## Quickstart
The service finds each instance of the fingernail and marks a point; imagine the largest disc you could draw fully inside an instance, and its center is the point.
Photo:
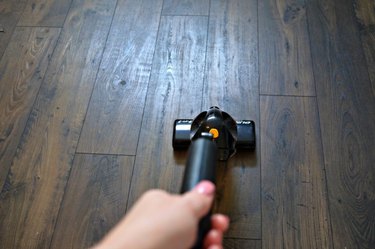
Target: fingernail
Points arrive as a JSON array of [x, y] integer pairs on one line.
[[205, 187]]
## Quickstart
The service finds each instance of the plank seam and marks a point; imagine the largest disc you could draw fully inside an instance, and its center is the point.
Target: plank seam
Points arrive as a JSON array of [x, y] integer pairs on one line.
[[206, 51], [103, 154], [259, 137], [75, 153], [320, 129], [144, 107], [186, 15], [19, 17], [288, 95], [360, 37]]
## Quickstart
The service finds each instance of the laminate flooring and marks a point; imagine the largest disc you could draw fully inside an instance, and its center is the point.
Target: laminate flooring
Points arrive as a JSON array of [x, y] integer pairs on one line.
[[89, 91]]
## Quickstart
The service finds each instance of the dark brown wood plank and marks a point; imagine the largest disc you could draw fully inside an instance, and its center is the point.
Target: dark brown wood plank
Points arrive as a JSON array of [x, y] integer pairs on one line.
[[242, 244], [186, 7], [232, 84], [284, 54], [115, 113], [45, 13], [22, 69], [347, 118], [365, 13], [95, 200], [31, 197], [10, 13], [175, 92], [294, 199]]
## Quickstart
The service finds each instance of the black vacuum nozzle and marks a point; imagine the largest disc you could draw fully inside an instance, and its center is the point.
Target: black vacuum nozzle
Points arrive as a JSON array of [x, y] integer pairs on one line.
[[228, 134]]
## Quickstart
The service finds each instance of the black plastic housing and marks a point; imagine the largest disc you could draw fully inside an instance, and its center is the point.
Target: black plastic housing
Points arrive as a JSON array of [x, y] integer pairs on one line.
[[245, 134]]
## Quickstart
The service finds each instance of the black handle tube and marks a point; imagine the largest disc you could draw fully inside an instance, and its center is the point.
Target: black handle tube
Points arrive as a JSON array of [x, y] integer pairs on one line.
[[200, 165]]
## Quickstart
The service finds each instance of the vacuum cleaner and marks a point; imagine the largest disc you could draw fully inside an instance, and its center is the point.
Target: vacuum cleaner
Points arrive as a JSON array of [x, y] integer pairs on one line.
[[213, 135]]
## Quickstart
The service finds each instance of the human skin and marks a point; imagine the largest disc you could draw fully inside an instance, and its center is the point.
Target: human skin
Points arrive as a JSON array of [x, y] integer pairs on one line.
[[160, 220]]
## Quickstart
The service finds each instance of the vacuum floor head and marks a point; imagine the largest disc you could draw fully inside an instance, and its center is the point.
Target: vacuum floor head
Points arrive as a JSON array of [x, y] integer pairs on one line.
[[228, 134]]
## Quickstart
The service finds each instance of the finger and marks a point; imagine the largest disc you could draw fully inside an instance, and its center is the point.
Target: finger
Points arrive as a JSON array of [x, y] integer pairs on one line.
[[215, 247], [213, 237], [200, 198], [220, 222]]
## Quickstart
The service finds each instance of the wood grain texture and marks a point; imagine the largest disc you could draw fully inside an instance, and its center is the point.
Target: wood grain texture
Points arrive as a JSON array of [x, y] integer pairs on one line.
[[208, 56], [95, 200], [175, 92], [10, 13], [45, 13], [32, 194], [114, 118], [232, 84], [186, 7], [242, 244], [284, 54], [347, 115], [22, 69], [294, 199], [365, 13]]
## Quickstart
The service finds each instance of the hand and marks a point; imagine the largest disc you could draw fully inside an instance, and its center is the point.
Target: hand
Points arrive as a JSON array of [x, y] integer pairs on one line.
[[160, 220]]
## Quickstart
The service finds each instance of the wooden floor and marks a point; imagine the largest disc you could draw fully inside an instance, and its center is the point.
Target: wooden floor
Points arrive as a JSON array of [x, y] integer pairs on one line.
[[89, 90]]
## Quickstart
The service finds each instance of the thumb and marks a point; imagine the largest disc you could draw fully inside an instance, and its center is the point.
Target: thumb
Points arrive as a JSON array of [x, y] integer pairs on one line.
[[200, 199]]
